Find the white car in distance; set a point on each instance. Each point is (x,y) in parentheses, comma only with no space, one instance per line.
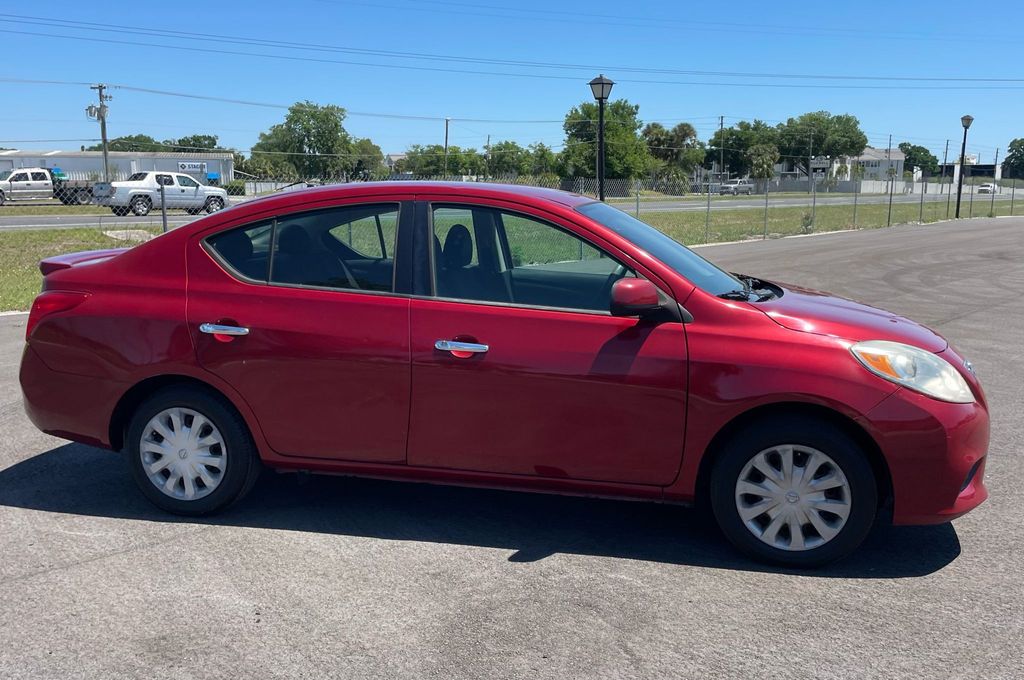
(141,193)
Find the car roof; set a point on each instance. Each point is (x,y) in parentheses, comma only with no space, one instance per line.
(464,189)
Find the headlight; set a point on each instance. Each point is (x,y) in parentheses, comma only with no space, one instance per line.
(914,368)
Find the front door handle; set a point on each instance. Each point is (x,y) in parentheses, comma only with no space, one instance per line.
(460,349)
(218,329)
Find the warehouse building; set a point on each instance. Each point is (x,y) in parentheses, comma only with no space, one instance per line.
(215,167)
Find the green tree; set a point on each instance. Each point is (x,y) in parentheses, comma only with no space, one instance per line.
(678,150)
(369,160)
(821,133)
(733,145)
(312,139)
(192,143)
(507,159)
(1013,166)
(542,160)
(626,153)
(920,157)
(429,161)
(131,143)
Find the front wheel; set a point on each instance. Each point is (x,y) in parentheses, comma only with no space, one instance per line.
(190,452)
(213,205)
(794,491)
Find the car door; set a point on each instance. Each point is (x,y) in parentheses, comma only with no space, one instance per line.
(21,186)
(42,186)
(170,194)
(188,192)
(517,365)
(320,353)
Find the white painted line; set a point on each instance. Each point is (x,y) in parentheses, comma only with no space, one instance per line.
(11,313)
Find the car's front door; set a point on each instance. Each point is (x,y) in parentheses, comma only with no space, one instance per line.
(311,330)
(21,186)
(517,366)
(188,193)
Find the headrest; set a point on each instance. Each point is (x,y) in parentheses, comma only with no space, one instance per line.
(458,247)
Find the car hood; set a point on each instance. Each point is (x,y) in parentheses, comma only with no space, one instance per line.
(811,311)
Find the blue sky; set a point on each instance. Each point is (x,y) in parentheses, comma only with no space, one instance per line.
(940,40)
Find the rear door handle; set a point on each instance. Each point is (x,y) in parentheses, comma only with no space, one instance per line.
(218,329)
(456,347)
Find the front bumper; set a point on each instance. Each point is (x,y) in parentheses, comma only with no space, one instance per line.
(935,452)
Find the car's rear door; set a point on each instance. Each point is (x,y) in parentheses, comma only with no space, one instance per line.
(42,186)
(517,366)
(321,352)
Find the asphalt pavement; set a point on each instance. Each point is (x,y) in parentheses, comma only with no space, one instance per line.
(335,577)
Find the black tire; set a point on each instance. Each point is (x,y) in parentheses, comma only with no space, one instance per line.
(2,198)
(140,206)
(242,459)
(82,197)
(801,431)
(213,205)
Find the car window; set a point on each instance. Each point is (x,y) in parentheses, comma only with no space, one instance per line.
(137,177)
(314,248)
(39,177)
(165,180)
(245,250)
(4,175)
(491,255)
(371,236)
(20,177)
(672,254)
(186,181)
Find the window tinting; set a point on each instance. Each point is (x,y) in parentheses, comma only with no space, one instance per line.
(137,177)
(246,250)
(166,180)
(20,177)
(39,177)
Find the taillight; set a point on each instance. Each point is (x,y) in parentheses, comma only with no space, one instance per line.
(50,302)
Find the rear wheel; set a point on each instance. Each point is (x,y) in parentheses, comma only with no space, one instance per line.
(2,198)
(190,452)
(141,205)
(82,198)
(794,491)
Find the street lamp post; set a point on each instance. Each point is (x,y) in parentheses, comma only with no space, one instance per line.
(602,88)
(966,122)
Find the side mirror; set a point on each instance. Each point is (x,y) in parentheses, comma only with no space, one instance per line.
(634,297)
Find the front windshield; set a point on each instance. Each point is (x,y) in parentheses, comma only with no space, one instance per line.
(4,175)
(687,263)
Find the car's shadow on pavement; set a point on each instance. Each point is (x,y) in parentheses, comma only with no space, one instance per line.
(82,480)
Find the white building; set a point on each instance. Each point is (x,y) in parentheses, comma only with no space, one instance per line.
(214,167)
(876,164)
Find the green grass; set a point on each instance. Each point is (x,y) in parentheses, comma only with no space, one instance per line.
(22,249)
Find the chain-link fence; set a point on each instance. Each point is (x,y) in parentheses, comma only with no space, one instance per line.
(692,211)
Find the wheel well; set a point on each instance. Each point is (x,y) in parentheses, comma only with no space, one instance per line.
(131,399)
(878,465)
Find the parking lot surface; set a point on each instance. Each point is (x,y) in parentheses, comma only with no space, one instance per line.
(334,577)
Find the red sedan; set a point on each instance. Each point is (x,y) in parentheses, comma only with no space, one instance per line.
(508,337)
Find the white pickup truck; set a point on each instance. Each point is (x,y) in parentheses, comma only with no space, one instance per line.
(140,194)
(32,184)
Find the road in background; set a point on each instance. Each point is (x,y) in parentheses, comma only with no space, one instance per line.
(357,578)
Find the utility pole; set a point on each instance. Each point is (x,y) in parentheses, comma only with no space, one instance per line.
(810,154)
(446,120)
(100,113)
(721,147)
(891,171)
(488,156)
(945,157)
(995,185)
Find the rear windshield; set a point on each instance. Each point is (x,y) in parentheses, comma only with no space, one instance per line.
(687,263)
(137,177)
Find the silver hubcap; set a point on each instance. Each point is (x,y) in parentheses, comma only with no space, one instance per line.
(183,453)
(793,497)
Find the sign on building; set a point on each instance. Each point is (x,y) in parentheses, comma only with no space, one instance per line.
(192,166)
(820,163)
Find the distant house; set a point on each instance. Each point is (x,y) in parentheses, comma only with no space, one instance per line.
(876,163)
(392,159)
